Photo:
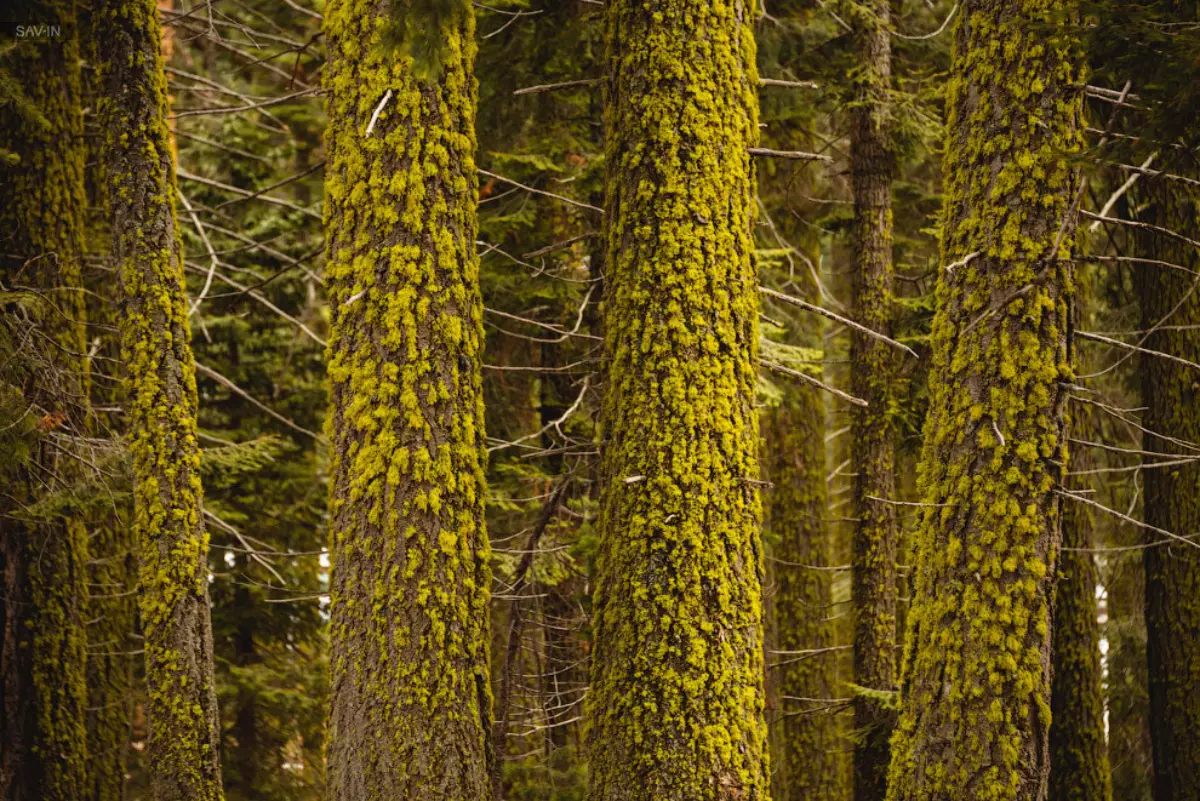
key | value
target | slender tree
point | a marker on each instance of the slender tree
(1171, 395)
(411, 700)
(1078, 751)
(171, 540)
(975, 695)
(873, 552)
(811, 766)
(43, 542)
(677, 689)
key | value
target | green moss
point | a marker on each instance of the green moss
(411, 561)
(1171, 394)
(676, 701)
(975, 691)
(168, 525)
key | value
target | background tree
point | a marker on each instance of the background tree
(975, 697)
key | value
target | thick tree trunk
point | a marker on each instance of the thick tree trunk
(872, 376)
(677, 688)
(806, 661)
(1171, 395)
(171, 540)
(43, 554)
(975, 695)
(1078, 751)
(411, 699)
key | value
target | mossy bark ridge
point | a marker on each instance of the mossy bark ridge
(975, 691)
(677, 689)
(411, 701)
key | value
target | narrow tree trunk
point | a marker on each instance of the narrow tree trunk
(43, 554)
(677, 689)
(1078, 751)
(171, 540)
(1171, 395)
(806, 660)
(872, 375)
(411, 699)
(975, 696)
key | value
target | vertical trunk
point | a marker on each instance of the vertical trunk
(43, 557)
(171, 540)
(677, 688)
(1078, 755)
(411, 699)
(975, 697)
(1171, 395)
(1127, 698)
(805, 663)
(872, 376)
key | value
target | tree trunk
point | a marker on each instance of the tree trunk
(806, 661)
(411, 699)
(975, 695)
(43, 544)
(677, 688)
(872, 376)
(1171, 395)
(172, 543)
(1078, 751)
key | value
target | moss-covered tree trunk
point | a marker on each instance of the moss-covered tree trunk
(1078, 750)
(676, 695)
(171, 540)
(1171, 395)
(805, 661)
(43, 543)
(871, 378)
(411, 577)
(975, 692)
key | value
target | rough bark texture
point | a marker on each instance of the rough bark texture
(975, 695)
(1171, 395)
(872, 376)
(1078, 750)
(812, 768)
(676, 696)
(171, 540)
(43, 554)
(411, 700)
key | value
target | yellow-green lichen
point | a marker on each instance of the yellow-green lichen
(975, 688)
(676, 701)
(411, 561)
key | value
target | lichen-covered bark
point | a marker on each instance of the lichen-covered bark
(160, 385)
(1078, 750)
(411, 576)
(812, 768)
(1171, 395)
(676, 696)
(975, 692)
(43, 748)
(872, 374)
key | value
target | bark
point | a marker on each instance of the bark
(873, 584)
(411, 697)
(975, 693)
(1078, 751)
(1171, 395)
(43, 543)
(676, 701)
(812, 767)
(160, 384)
